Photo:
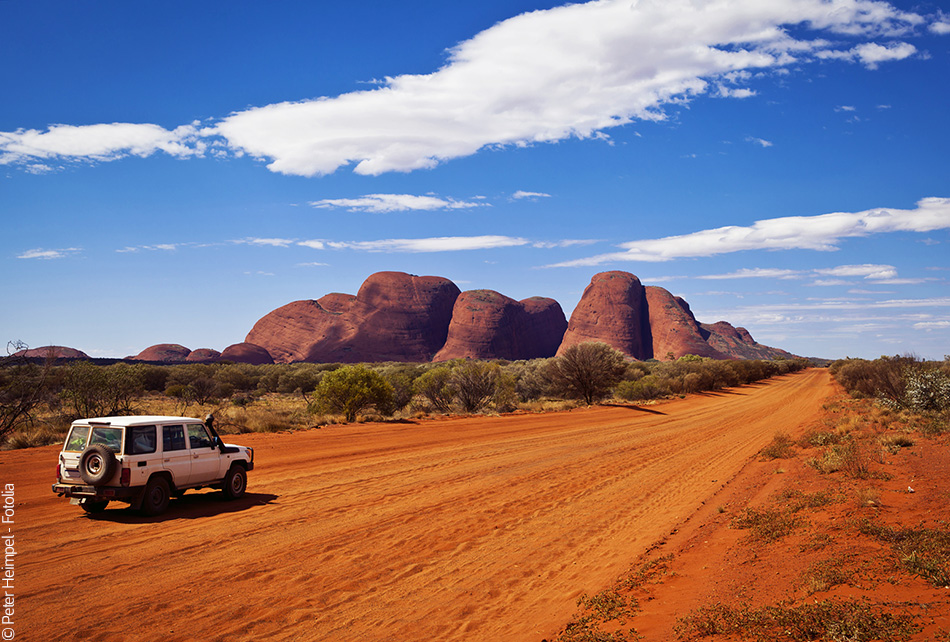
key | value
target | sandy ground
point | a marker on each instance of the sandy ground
(480, 528)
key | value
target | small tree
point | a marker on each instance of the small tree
(587, 371)
(474, 384)
(352, 389)
(23, 386)
(97, 391)
(434, 386)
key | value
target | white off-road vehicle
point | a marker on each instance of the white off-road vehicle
(146, 460)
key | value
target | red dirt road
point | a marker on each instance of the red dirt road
(482, 528)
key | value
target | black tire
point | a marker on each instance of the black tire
(97, 465)
(93, 506)
(235, 483)
(156, 497)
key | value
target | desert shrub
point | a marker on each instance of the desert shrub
(921, 551)
(820, 438)
(882, 378)
(434, 386)
(351, 390)
(648, 387)
(241, 376)
(505, 398)
(779, 448)
(154, 378)
(847, 457)
(830, 620)
(927, 390)
(826, 574)
(586, 371)
(766, 524)
(473, 383)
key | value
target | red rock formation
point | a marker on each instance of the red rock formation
(674, 328)
(737, 343)
(399, 317)
(246, 353)
(394, 317)
(168, 352)
(489, 325)
(613, 310)
(58, 352)
(545, 327)
(203, 355)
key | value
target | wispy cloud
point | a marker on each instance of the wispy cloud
(520, 194)
(568, 72)
(40, 253)
(755, 273)
(382, 203)
(821, 233)
(759, 141)
(434, 244)
(871, 54)
(928, 326)
(266, 242)
(102, 142)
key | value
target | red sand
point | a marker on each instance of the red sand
(480, 528)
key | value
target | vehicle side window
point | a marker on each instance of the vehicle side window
(77, 438)
(141, 440)
(173, 438)
(198, 437)
(111, 438)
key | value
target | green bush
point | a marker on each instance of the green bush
(351, 390)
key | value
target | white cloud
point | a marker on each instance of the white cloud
(755, 273)
(267, 242)
(549, 75)
(871, 54)
(563, 243)
(532, 195)
(820, 233)
(394, 203)
(867, 271)
(927, 326)
(40, 253)
(435, 244)
(759, 141)
(941, 27)
(98, 142)
(542, 76)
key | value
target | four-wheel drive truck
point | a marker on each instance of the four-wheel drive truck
(146, 460)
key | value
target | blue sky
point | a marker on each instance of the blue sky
(170, 172)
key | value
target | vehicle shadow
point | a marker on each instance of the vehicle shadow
(190, 506)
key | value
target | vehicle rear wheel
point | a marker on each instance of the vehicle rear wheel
(156, 497)
(235, 482)
(94, 506)
(97, 465)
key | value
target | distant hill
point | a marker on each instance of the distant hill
(401, 317)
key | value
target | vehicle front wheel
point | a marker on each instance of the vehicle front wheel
(93, 506)
(235, 482)
(156, 497)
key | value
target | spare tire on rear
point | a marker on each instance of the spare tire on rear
(97, 465)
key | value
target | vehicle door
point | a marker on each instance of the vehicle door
(205, 457)
(175, 456)
(78, 440)
(141, 453)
